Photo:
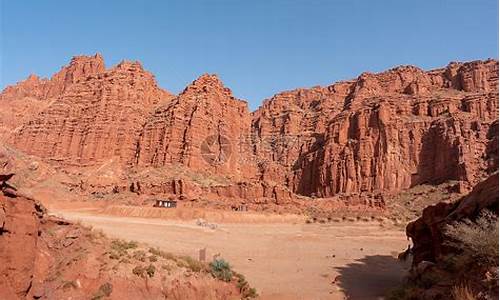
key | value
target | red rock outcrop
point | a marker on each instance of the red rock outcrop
(457, 243)
(99, 114)
(382, 132)
(427, 232)
(78, 69)
(202, 129)
(22, 102)
(376, 134)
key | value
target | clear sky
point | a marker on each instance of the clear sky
(257, 47)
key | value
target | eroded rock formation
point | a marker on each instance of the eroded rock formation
(98, 114)
(202, 129)
(379, 133)
(382, 132)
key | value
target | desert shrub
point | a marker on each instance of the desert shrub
(120, 245)
(428, 279)
(138, 271)
(192, 264)
(451, 263)
(139, 255)
(119, 248)
(220, 269)
(150, 270)
(251, 293)
(69, 284)
(114, 255)
(95, 234)
(478, 240)
(166, 267)
(462, 292)
(153, 258)
(246, 291)
(105, 290)
(163, 254)
(181, 263)
(124, 260)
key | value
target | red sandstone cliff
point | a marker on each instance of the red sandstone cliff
(202, 128)
(96, 113)
(78, 69)
(378, 133)
(27, 98)
(383, 132)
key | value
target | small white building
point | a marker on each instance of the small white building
(166, 203)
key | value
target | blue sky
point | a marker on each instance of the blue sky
(257, 47)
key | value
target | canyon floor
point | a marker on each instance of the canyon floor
(284, 258)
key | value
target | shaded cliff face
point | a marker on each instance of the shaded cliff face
(378, 133)
(384, 132)
(97, 115)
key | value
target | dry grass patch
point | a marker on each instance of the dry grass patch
(462, 292)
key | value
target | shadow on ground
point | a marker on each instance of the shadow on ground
(371, 277)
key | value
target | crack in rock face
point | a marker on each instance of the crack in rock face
(216, 149)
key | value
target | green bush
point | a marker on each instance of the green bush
(221, 270)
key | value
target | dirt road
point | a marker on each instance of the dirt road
(283, 261)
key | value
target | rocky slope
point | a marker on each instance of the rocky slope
(455, 248)
(378, 134)
(44, 257)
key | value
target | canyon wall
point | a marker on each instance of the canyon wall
(383, 132)
(94, 114)
(377, 133)
(202, 129)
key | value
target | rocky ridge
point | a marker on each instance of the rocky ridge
(380, 133)
(98, 114)
(383, 132)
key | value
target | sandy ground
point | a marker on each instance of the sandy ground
(282, 260)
